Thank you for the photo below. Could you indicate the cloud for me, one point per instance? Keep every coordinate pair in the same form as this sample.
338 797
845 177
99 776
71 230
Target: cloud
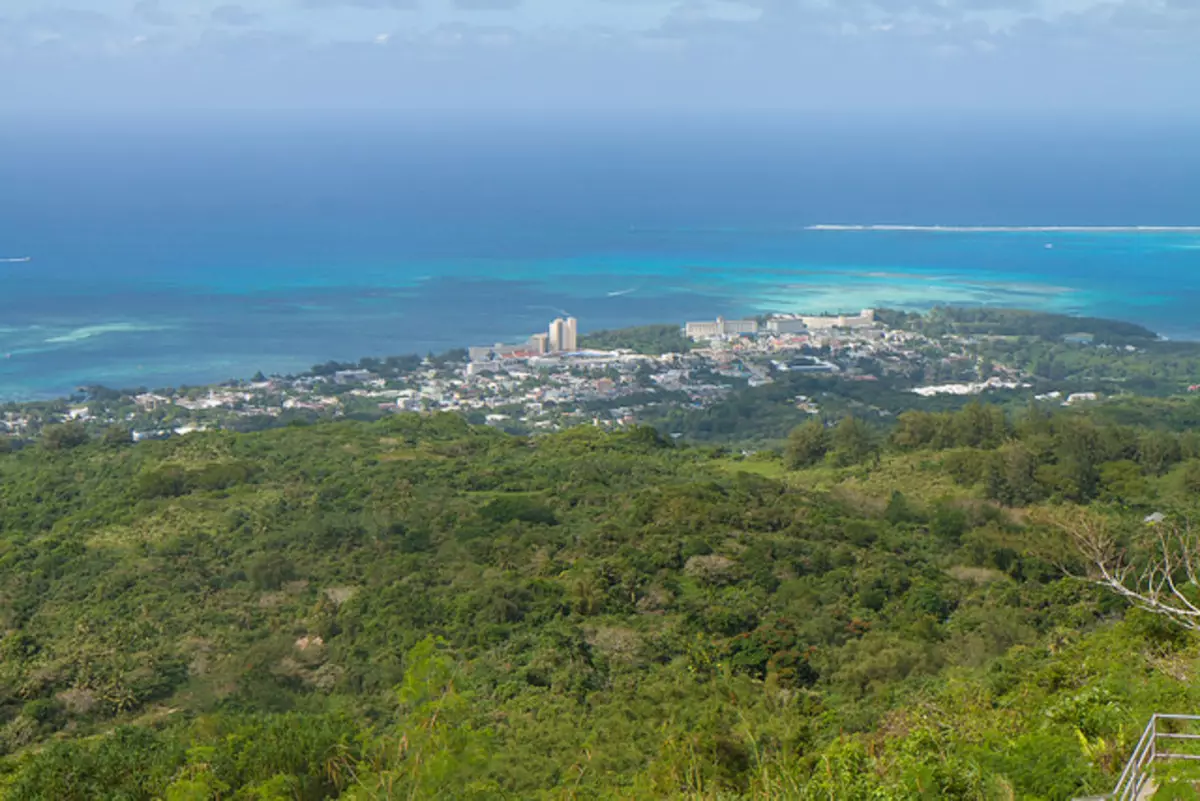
1019 6
464 35
71 20
487 5
394 4
703 54
235 16
151 11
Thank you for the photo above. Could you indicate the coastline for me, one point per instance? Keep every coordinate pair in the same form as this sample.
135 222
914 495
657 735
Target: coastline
209 318
280 365
660 375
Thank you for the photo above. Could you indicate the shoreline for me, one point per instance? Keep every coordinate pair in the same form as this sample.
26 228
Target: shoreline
308 370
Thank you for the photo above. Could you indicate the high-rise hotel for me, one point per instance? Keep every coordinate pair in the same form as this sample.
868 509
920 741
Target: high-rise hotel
564 335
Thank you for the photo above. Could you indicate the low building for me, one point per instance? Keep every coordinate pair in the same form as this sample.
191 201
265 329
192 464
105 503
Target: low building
720 328
511 351
864 319
480 354
352 376
786 325
480 367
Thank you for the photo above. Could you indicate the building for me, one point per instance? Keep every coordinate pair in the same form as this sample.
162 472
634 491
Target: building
558 335
352 376
571 335
721 328
786 325
480 354
512 351
563 336
806 365
481 367
865 319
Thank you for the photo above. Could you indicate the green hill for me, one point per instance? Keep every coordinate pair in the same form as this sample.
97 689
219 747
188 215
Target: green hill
417 608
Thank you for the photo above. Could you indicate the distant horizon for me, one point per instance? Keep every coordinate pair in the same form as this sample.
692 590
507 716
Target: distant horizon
730 116
1006 229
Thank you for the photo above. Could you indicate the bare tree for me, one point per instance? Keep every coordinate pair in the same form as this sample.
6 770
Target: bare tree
1160 576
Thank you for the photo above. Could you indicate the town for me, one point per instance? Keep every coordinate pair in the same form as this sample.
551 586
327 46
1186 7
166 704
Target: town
552 380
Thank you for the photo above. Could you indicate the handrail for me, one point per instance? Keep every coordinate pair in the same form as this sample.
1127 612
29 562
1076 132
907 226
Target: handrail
1136 776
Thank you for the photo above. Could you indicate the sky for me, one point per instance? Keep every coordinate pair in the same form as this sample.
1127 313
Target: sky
1135 57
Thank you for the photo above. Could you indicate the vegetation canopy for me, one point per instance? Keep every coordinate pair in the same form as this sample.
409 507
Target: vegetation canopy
420 608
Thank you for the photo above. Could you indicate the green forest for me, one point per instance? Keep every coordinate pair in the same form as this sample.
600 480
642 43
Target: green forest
649 339
1072 353
419 608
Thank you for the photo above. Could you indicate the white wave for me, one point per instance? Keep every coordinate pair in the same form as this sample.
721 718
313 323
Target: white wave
90 331
1006 229
16 260
618 293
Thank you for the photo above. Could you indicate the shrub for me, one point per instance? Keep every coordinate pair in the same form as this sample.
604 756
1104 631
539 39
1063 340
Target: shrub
508 508
64 436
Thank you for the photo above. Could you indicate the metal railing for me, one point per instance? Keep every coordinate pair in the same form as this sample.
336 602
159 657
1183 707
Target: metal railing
1151 748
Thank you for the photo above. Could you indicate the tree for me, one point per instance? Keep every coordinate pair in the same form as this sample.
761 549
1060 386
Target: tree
1157 574
979 426
1011 475
852 442
64 436
1188 479
916 429
117 436
806 445
438 752
898 511
1157 451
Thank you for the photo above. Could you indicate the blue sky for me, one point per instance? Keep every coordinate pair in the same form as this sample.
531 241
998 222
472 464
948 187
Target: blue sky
1137 56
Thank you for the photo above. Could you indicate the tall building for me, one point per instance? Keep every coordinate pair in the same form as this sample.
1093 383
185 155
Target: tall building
558 336
571 335
539 343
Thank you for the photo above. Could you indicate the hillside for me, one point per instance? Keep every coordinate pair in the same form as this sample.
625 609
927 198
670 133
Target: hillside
418 608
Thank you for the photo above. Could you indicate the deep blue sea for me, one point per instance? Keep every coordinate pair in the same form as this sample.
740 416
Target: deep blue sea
190 250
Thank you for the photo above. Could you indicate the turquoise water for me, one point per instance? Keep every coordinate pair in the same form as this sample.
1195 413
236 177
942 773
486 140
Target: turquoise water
184 252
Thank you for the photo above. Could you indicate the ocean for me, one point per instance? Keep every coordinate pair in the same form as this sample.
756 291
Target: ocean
165 252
